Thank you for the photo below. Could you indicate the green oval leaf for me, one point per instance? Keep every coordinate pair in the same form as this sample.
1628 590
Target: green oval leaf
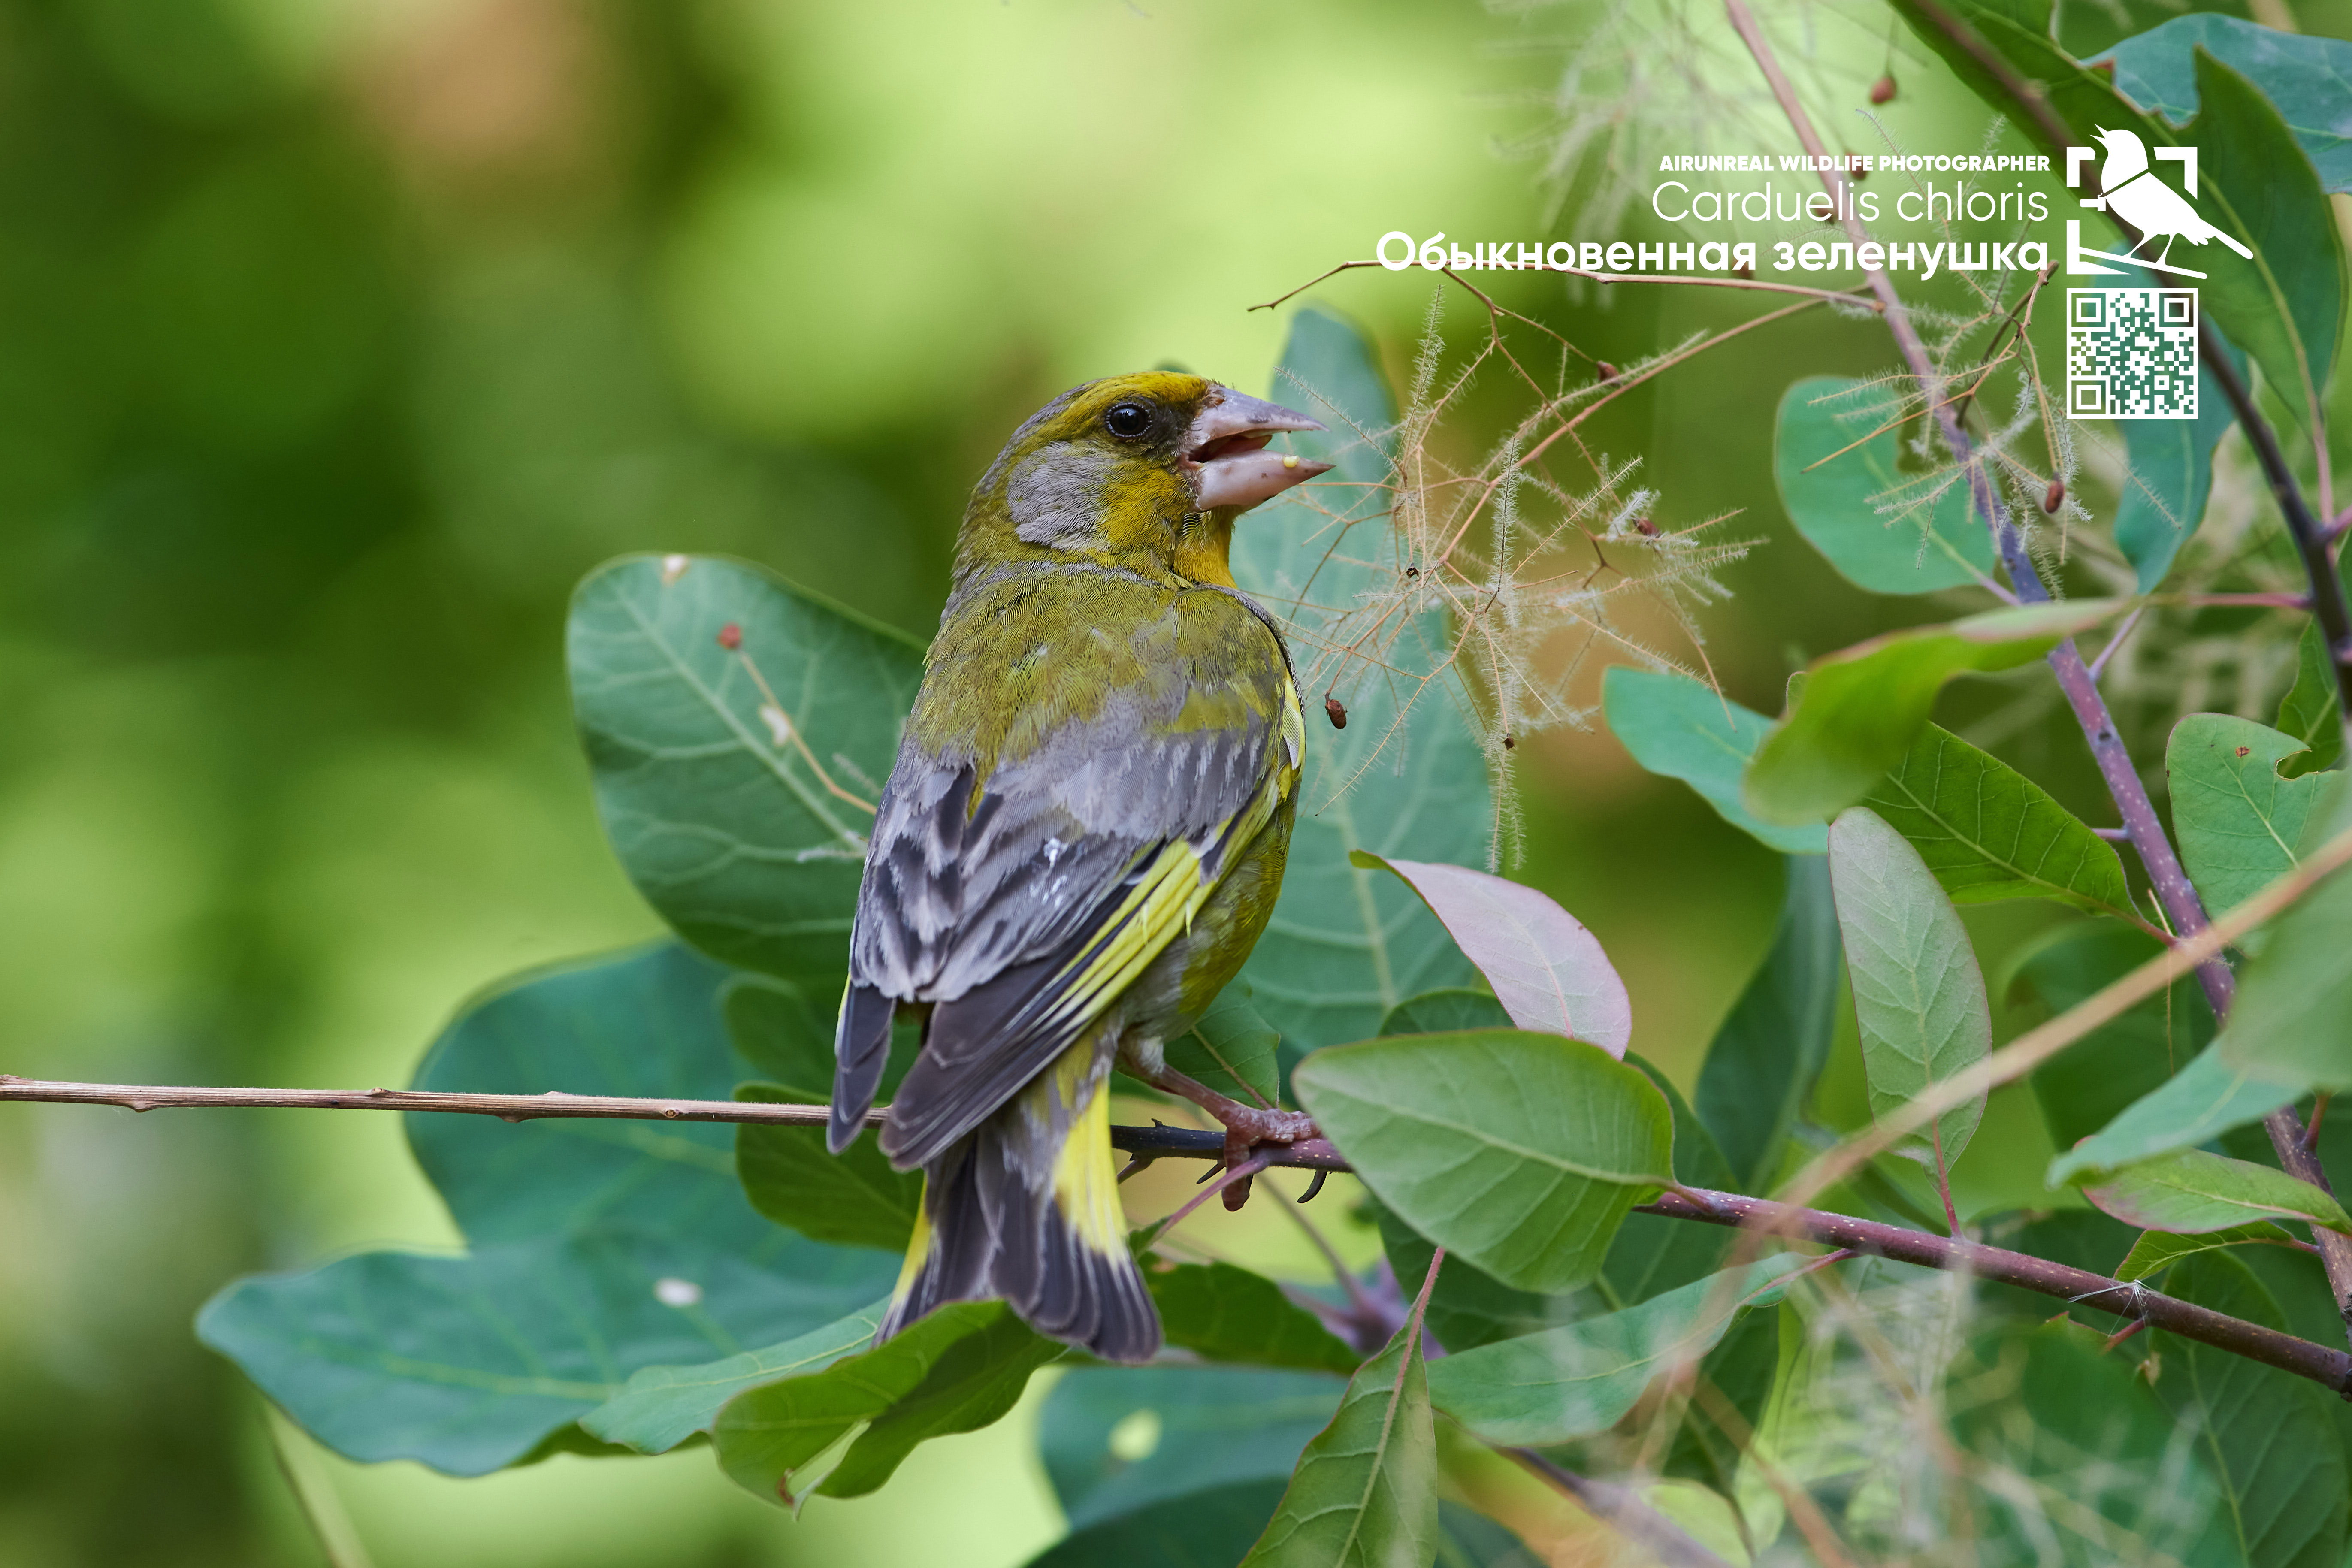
720 772
1547 970
1365 1492
1678 729
1990 832
2190 1191
1580 1378
1919 997
1836 448
1862 707
2237 819
1521 1152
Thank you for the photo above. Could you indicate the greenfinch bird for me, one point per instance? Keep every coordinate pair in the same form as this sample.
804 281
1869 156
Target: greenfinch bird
1078 845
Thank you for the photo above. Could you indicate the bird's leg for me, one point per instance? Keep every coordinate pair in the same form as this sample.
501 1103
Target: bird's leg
1246 1126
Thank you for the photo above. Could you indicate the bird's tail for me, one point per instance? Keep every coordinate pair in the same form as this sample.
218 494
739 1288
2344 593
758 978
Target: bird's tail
1025 1207
2229 242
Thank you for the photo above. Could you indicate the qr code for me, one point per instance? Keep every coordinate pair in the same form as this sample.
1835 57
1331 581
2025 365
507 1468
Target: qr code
2131 353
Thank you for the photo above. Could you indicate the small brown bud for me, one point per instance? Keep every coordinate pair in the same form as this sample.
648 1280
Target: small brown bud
1608 372
1856 173
1337 711
731 636
1745 271
2055 497
2104 68
1883 90
1510 743
1646 527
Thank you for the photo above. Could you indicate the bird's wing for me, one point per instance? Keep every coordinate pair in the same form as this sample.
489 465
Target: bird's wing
1020 887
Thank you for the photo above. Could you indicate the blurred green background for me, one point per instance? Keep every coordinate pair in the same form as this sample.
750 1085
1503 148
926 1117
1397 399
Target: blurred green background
338 338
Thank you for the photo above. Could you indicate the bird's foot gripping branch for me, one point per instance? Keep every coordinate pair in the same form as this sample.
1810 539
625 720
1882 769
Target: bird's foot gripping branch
1709 1322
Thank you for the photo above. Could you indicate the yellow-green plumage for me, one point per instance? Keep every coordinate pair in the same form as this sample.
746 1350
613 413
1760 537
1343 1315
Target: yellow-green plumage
1081 841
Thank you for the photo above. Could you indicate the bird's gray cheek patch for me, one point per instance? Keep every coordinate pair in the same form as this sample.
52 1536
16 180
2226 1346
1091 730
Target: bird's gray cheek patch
1055 496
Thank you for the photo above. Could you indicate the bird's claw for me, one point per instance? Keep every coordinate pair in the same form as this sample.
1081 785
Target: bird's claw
1245 1129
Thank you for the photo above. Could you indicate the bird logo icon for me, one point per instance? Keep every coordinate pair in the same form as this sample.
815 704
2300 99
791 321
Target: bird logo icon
2132 192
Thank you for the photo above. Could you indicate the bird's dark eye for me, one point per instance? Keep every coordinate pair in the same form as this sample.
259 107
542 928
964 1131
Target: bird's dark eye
1128 420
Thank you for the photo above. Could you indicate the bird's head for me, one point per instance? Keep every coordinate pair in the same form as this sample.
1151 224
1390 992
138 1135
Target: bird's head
1145 472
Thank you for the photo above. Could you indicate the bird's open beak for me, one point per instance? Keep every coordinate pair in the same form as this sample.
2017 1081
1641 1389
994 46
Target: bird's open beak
1225 457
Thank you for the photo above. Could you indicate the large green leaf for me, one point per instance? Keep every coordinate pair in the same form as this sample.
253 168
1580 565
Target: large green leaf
1842 485
1579 1378
1769 1050
1365 1492
2293 1018
2190 1190
2171 468
717 812
1522 1153
2237 820
600 1247
1678 728
2303 75
1988 833
2201 1101
2158 1250
2267 1436
852 1199
843 1431
1229 1314
1547 970
1918 995
2096 1080
1344 944
465 1364
2312 710
661 1406
1116 1439
1862 707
